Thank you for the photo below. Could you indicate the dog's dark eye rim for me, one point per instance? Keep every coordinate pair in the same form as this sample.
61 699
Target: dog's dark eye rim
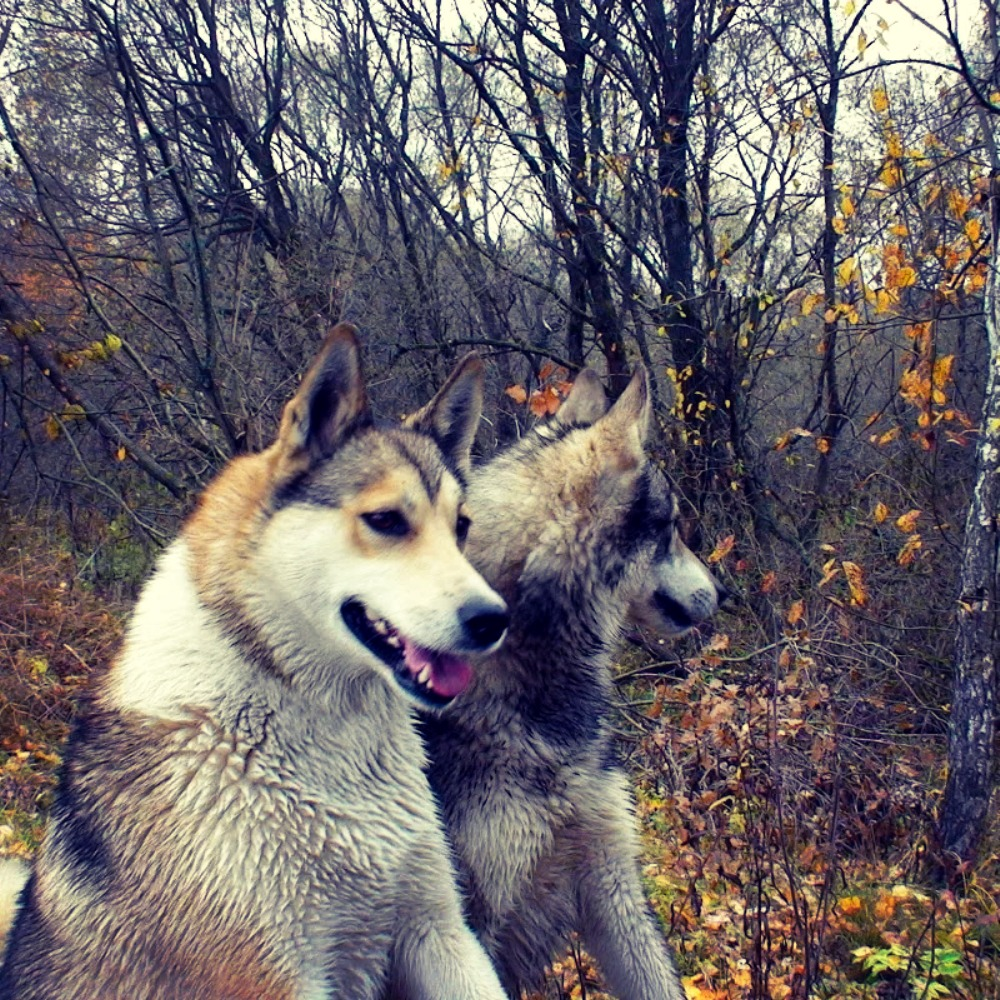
462 525
387 522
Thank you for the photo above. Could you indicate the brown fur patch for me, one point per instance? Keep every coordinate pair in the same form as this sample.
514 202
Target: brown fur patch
227 521
235 970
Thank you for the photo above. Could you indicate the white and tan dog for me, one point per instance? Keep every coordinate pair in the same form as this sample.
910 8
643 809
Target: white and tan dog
243 813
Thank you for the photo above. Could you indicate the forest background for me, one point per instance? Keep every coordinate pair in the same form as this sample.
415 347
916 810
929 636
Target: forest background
783 208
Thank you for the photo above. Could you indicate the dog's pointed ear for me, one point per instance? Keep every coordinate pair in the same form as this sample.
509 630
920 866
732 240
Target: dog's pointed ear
452 416
330 404
628 421
586 402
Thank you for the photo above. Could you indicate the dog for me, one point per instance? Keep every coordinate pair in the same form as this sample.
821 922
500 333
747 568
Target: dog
243 814
576 530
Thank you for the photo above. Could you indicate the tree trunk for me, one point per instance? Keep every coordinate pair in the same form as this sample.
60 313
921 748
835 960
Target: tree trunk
965 808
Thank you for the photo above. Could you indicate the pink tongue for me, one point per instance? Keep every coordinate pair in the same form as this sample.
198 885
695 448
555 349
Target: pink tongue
450 676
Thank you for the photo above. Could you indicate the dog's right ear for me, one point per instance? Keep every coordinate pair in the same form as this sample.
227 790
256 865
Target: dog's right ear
452 416
586 402
330 404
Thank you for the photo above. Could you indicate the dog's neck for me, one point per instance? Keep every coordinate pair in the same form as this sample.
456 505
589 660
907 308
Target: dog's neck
182 654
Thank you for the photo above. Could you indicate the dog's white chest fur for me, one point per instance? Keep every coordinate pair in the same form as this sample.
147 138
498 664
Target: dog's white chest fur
258 791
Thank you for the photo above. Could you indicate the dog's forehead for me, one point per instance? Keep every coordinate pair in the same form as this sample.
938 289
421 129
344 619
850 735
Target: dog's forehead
386 462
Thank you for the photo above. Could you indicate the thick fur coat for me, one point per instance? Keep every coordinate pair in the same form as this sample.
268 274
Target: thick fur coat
244 814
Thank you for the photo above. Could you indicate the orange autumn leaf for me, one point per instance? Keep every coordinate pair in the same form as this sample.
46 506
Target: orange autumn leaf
544 402
722 549
795 612
881 512
849 905
790 435
656 709
909 551
517 393
768 582
907 522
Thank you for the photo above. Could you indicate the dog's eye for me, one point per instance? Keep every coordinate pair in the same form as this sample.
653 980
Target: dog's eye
387 522
462 526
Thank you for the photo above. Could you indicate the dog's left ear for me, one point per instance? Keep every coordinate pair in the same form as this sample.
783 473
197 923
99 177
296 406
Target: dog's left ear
626 425
452 416
330 404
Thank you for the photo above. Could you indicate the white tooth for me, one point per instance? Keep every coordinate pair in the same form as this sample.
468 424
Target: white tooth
424 676
380 626
393 640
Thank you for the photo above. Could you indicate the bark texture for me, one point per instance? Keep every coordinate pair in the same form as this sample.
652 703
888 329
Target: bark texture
965 808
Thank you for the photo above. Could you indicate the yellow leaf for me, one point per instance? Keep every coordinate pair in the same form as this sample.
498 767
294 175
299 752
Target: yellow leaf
887 437
722 549
795 612
847 206
120 454
845 272
883 300
856 583
695 992
909 551
881 512
941 375
905 277
862 41
52 427
908 522
830 570
823 445
880 100
890 175
958 204
885 906
810 302
838 225
849 905
973 230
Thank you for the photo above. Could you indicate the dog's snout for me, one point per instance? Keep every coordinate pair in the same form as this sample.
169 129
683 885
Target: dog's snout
484 624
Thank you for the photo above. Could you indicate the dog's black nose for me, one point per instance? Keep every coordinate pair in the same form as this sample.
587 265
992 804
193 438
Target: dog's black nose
484 624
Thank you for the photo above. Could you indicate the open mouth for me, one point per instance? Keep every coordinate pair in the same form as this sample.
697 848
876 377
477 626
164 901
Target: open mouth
673 611
429 676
